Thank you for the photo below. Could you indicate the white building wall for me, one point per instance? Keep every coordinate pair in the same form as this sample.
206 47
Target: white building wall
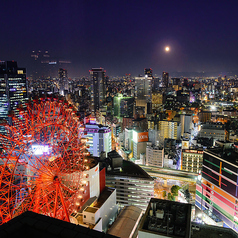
93 179
154 157
108 210
96 145
188 123
107 142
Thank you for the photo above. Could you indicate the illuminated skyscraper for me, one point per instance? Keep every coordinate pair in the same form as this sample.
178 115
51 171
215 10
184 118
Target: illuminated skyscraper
63 80
165 79
62 73
98 88
143 87
148 72
13 89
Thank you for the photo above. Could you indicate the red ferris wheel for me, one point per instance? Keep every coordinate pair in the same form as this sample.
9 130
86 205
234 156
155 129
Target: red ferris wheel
42 161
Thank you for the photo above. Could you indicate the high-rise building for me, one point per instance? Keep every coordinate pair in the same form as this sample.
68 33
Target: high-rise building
191 160
165 79
143 89
133 185
148 72
158 99
13 89
99 139
140 140
98 88
176 81
170 129
186 123
62 73
63 80
217 194
154 156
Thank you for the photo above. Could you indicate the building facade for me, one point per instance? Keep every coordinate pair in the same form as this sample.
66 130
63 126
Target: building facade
191 160
217 194
186 123
98 88
63 80
13 89
213 130
133 185
99 139
170 129
157 99
165 79
143 89
154 156
139 143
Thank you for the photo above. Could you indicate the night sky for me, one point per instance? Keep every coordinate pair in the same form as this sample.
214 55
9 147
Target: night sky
123 36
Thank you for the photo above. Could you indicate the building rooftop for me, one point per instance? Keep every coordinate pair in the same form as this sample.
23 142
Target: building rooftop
126 221
166 218
91 209
209 231
30 224
104 195
229 155
130 169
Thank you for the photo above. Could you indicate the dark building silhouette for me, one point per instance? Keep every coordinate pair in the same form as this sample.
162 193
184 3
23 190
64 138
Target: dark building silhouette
165 79
148 72
98 88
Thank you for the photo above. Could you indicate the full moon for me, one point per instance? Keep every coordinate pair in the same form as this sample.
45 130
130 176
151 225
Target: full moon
167 48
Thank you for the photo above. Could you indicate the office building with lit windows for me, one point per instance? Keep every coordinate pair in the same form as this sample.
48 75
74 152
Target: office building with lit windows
143 90
165 79
154 156
217 193
170 129
148 72
13 89
63 81
191 160
133 185
99 139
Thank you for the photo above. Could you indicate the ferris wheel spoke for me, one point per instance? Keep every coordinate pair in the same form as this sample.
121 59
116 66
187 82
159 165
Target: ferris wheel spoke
44 183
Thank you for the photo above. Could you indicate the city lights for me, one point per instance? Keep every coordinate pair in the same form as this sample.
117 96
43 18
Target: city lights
120 109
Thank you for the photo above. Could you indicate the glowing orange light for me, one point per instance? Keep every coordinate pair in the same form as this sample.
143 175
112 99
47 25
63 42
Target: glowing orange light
42 165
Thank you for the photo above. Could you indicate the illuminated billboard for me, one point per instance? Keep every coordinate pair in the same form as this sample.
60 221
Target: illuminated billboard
140 137
40 149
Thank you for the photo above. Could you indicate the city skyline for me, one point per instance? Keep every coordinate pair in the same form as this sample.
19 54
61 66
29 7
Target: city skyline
124 37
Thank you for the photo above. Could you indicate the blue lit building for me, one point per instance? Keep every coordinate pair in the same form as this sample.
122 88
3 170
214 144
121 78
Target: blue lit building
13 88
